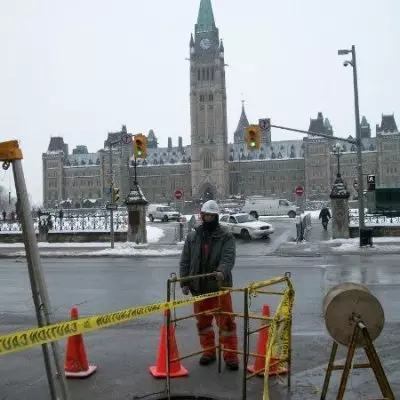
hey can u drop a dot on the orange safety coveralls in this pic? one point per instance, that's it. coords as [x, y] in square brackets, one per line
[226, 323]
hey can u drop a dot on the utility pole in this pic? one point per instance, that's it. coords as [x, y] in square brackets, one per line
[353, 63]
[361, 217]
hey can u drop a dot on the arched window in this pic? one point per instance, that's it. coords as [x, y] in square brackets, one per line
[207, 160]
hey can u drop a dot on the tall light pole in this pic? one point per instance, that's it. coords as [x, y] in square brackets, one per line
[338, 152]
[353, 63]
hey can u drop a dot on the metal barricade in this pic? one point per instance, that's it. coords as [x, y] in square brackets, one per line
[251, 290]
[248, 291]
[172, 282]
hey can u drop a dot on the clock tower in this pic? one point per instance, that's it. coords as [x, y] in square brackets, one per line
[209, 136]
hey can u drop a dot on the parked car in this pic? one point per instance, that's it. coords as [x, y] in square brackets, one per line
[246, 226]
[162, 212]
[260, 205]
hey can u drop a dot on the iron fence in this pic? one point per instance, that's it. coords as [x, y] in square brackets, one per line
[94, 222]
[373, 219]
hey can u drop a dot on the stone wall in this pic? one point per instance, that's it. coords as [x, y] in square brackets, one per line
[65, 237]
[377, 231]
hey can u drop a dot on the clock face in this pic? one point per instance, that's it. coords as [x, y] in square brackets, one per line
[205, 44]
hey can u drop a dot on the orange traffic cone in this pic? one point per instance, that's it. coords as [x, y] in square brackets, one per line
[259, 365]
[176, 370]
[76, 363]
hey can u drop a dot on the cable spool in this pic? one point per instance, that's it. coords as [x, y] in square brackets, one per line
[346, 303]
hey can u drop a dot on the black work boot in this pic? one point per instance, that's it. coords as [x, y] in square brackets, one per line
[232, 365]
[207, 359]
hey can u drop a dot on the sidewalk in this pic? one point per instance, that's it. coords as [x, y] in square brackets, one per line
[55, 250]
[319, 242]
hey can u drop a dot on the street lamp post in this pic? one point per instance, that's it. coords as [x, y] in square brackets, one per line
[338, 152]
[353, 63]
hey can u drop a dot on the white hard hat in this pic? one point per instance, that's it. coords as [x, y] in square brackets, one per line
[210, 207]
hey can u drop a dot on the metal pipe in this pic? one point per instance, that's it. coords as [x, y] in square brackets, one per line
[193, 277]
[35, 267]
[289, 361]
[259, 328]
[359, 143]
[269, 292]
[273, 364]
[315, 134]
[195, 315]
[193, 354]
[39, 318]
[245, 342]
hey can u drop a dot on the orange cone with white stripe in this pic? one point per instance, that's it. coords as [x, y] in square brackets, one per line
[76, 364]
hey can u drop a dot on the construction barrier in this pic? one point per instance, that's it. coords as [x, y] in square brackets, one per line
[273, 355]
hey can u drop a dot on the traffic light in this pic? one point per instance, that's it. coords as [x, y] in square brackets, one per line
[115, 195]
[140, 146]
[370, 182]
[253, 137]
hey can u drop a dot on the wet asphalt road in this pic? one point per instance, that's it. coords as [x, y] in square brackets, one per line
[123, 353]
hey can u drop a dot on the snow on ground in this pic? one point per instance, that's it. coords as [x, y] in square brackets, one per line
[353, 246]
[118, 251]
[154, 234]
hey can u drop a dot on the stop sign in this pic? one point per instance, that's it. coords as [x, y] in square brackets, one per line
[299, 191]
[178, 194]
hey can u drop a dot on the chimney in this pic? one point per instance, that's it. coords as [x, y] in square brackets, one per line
[169, 143]
[180, 143]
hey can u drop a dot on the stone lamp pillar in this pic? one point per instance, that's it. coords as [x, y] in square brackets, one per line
[340, 209]
[136, 203]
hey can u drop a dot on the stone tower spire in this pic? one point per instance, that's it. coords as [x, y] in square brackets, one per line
[209, 132]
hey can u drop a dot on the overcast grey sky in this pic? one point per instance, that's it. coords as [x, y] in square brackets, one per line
[82, 68]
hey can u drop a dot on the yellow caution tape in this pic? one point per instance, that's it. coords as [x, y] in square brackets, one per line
[269, 282]
[283, 312]
[35, 337]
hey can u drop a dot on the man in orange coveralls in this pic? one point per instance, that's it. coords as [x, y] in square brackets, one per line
[209, 249]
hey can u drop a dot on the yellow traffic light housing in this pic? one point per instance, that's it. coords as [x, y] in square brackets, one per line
[253, 137]
[115, 195]
[140, 146]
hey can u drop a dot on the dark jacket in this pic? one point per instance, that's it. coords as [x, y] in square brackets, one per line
[221, 258]
[324, 214]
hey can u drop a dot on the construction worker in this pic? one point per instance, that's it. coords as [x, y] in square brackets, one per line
[209, 249]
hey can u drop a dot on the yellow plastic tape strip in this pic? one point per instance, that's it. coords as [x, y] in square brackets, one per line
[35, 337]
[269, 282]
[287, 308]
[272, 339]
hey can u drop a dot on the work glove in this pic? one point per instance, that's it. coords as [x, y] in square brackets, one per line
[185, 290]
[219, 276]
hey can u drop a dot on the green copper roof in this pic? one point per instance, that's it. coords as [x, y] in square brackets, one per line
[205, 19]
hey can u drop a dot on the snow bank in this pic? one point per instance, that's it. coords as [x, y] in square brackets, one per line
[154, 234]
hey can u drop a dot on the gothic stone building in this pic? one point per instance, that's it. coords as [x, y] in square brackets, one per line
[211, 167]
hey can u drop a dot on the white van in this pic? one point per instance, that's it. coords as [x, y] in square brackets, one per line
[162, 212]
[260, 205]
